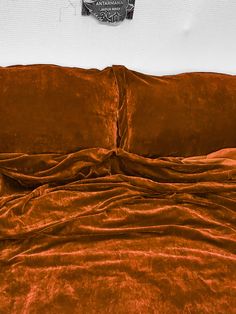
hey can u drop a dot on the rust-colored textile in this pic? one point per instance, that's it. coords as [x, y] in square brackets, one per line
[178, 115]
[86, 226]
[53, 109]
[107, 231]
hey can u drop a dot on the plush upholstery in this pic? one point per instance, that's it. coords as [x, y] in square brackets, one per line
[181, 115]
[46, 108]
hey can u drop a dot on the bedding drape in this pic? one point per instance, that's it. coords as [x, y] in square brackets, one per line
[107, 231]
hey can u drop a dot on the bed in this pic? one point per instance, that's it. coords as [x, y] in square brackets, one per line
[117, 191]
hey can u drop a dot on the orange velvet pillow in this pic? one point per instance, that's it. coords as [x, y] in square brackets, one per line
[179, 115]
[47, 108]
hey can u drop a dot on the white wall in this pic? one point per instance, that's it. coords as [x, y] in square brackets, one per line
[166, 36]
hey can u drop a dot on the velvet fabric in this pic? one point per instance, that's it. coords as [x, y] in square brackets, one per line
[178, 115]
[87, 226]
[107, 231]
[52, 109]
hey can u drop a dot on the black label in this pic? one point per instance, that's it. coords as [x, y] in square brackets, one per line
[109, 11]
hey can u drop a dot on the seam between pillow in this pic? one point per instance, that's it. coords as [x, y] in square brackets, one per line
[122, 125]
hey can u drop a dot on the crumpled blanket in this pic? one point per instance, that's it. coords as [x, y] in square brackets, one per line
[106, 231]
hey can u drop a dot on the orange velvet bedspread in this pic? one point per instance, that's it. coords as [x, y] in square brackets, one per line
[106, 231]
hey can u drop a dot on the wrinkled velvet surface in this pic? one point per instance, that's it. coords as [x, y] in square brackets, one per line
[107, 231]
[47, 108]
[178, 115]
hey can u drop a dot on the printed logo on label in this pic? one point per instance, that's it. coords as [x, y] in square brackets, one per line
[109, 11]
